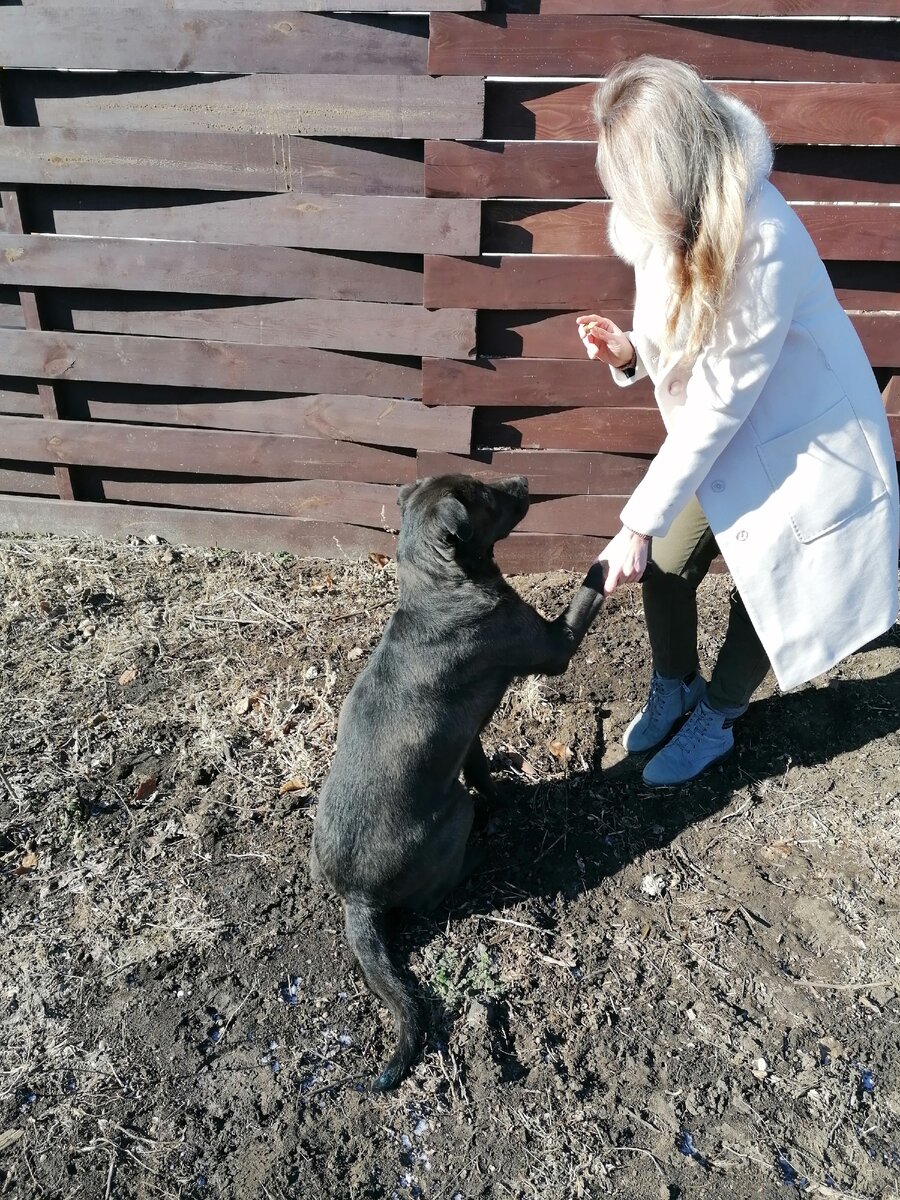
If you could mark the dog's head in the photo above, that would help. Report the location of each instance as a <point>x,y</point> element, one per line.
<point>456,518</point>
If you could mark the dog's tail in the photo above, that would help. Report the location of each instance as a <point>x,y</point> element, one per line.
<point>364,927</point>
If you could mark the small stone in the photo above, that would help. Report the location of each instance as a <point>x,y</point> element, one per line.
<point>653,885</point>
<point>760,1068</point>
<point>354,654</point>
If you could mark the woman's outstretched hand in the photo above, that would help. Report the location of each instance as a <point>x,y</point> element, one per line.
<point>605,341</point>
<point>626,559</point>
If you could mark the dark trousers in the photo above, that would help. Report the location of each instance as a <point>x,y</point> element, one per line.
<point>678,562</point>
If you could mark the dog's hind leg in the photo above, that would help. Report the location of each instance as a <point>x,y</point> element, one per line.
<point>315,870</point>
<point>477,774</point>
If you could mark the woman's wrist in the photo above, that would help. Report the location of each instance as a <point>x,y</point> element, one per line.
<point>643,537</point>
<point>631,362</point>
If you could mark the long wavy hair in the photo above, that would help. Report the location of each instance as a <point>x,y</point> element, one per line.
<point>670,158</point>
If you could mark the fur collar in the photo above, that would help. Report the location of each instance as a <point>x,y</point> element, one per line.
<point>633,247</point>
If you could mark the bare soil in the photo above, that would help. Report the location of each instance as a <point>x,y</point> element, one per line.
<point>643,995</point>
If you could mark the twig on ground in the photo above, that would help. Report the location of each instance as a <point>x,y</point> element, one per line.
<point>641,1150</point>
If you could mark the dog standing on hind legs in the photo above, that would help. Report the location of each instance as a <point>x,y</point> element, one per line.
<point>393,819</point>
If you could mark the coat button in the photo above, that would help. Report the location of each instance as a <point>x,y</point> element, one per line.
<point>676,387</point>
<point>742,535</point>
<point>718,485</point>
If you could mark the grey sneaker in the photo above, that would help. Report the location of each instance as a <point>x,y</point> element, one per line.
<point>669,700</point>
<point>704,740</point>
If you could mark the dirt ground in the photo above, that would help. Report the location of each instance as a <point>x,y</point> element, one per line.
<point>643,995</point>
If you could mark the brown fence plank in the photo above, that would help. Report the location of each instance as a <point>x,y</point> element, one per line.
<point>370,504</point>
<point>132,39</point>
<point>389,106</point>
<point>523,553</point>
<point>11,315</point>
<point>31,482</point>
<point>616,430</point>
<point>575,514</point>
<point>182,363</point>
<point>556,383</point>
<point>20,403</point>
<point>370,6</point>
<point>403,224</point>
<point>566,170</point>
<point>37,260</point>
<point>231,531</point>
<point>407,329</point>
<point>580,228</point>
<point>589,283</point>
<point>529,282</point>
<point>211,161</point>
<point>200,451</point>
<point>369,419</point>
<point>549,472</point>
<point>834,113</point>
<point>838,51</point>
<point>695,8</point>
<point>540,335</point>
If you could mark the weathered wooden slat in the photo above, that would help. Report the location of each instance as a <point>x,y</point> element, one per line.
<point>20,401</point>
<point>199,451</point>
<point>574,429</point>
<point>613,430</point>
<point>594,515</point>
<point>38,260</point>
<point>539,335</point>
<point>371,504</point>
<point>691,8</point>
<point>589,284</point>
<point>375,421</point>
<point>407,329</point>
<point>833,113</point>
<point>523,553</point>
<point>567,170</point>
<point>536,335</point>
<point>580,228</point>
<point>369,6</point>
<point>880,335</point>
<point>210,161</point>
<point>370,105</point>
<point>132,39</point>
<point>182,363</point>
<point>11,315</point>
<point>838,51</point>
<point>557,383</point>
<point>30,482</point>
<point>549,472</point>
<point>401,224</point>
<point>230,531</point>
<point>528,282</point>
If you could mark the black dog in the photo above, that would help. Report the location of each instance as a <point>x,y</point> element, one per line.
<point>393,818</point>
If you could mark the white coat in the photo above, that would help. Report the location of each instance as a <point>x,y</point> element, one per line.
<point>779,429</point>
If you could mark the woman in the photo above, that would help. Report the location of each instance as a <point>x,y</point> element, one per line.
<point>777,450</point>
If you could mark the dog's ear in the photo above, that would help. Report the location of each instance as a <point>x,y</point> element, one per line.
<point>452,515</point>
<point>405,492</point>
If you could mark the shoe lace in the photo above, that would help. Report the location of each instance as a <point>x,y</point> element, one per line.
<point>657,697</point>
<point>696,727</point>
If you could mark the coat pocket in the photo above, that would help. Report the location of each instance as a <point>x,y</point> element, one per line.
<point>824,472</point>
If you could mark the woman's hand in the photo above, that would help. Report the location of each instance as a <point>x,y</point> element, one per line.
<point>626,559</point>
<point>605,341</point>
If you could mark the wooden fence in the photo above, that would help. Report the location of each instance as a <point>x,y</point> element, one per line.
<point>259,267</point>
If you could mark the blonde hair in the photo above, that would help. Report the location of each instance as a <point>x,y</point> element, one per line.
<point>671,160</point>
